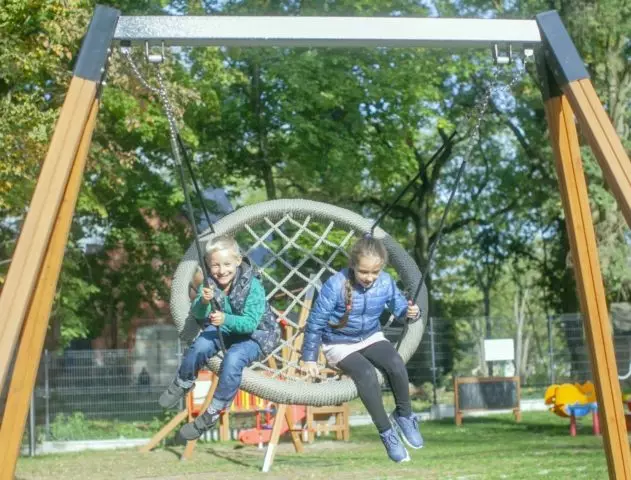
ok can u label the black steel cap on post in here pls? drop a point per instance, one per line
(96, 44)
(560, 54)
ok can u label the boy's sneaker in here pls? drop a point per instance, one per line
(407, 427)
(394, 447)
(205, 421)
(172, 395)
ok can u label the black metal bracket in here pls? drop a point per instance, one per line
(96, 46)
(559, 63)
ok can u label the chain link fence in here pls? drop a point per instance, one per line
(124, 385)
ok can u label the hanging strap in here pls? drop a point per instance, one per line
(474, 133)
(195, 184)
(390, 206)
(176, 144)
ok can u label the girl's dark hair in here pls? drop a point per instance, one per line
(367, 246)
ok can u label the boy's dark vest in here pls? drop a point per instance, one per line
(267, 334)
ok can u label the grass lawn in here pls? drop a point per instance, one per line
(483, 448)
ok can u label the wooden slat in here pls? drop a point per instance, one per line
(190, 445)
(28, 257)
(604, 141)
(36, 323)
(270, 452)
(282, 412)
(589, 279)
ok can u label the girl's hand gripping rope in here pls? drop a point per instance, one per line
(310, 369)
(413, 311)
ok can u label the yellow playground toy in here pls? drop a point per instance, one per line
(574, 400)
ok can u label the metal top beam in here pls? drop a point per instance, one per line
(327, 31)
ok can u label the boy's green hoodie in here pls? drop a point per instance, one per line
(244, 324)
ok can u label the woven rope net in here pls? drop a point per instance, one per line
(297, 245)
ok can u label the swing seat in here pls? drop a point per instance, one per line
(296, 245)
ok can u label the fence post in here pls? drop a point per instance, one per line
(550, 351)
(433, 349)
(47, 393)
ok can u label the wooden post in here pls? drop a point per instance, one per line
(29, 290)
(26, 264)
(282, 413)
(190, 445)
(603, 140)
(590, 284)
(29, 256)
(34, 331)
(564, 80)
(457, 412)
(274, 438)
(224, 427)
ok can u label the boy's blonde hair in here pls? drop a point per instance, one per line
(223, 242)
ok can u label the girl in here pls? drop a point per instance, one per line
(346, 320)
(247, 323)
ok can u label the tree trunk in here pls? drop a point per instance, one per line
(486, 293)
(523, 372)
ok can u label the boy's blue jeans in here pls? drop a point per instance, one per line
(241, 351)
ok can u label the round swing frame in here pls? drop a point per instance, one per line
(266, 383)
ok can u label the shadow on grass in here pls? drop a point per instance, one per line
(237, 458)
(253, 461)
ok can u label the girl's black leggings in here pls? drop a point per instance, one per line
(360, 367)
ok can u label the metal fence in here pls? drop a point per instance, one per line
(105, 384)
(124, 385)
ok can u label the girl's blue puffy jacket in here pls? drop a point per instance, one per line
(367, 306)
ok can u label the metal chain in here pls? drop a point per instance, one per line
(161, 91)
(482, 105)
(126, 51)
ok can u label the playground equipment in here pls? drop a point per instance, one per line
(568, 93)
(312, 421)
(573, 401)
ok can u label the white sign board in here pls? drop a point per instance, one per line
(499, 350)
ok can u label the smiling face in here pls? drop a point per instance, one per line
(223, 266)
(367, 270)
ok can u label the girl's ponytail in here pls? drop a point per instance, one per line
(348, 301)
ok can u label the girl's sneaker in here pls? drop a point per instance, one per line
(407, 427)
(394, 447)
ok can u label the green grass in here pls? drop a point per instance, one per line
(483, 448)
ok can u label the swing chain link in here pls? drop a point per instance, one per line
(126, 51)
(482, 105)
(161, 92)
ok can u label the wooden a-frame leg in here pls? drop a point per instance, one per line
(589, 279)
(164, 431)
(275, 436)
(27, 263)
(295, 436)
(603, 140)
(190, 445)
(38, 306)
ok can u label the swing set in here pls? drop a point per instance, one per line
(313, 235)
